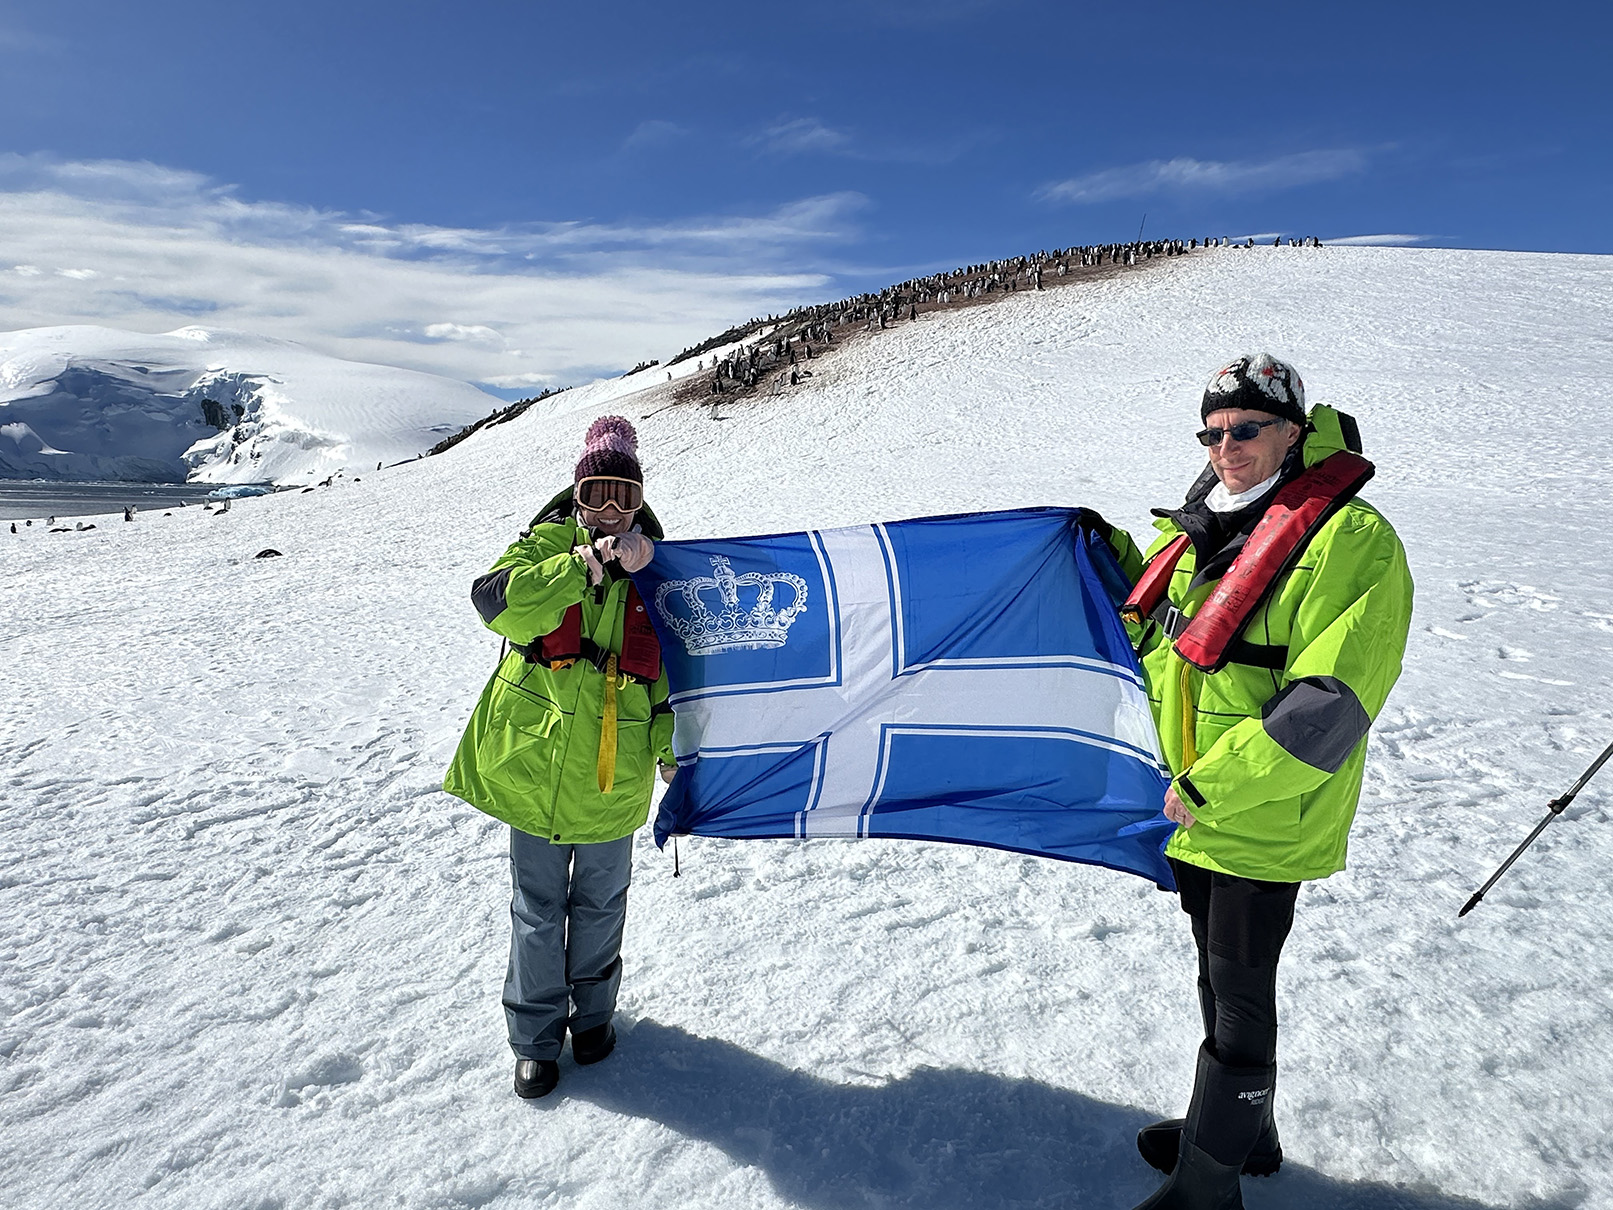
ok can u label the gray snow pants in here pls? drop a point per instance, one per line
(566, 916)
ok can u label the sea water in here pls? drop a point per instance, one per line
(41, 498)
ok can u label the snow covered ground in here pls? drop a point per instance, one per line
(251, 955)
(86, 403)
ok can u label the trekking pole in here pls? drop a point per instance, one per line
(1558, 806)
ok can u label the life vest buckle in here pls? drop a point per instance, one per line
(1173, 622)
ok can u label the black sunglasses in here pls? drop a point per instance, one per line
(1247, 430)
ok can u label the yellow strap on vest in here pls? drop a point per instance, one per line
(1190, 752)
(1190, 713)
(607, 730)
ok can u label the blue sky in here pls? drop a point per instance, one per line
(526, 194)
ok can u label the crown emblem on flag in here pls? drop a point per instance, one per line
(725, 612)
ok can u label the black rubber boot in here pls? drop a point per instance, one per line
(1224, 1120)
(535, 1077)
(592, 1045)
(1159, 1143)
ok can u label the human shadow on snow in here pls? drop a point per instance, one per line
(938, 1139)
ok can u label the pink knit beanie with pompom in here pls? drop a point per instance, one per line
(611, 448)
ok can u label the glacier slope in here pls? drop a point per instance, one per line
(88, 403)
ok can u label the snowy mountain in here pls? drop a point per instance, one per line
(209, 405)
(251, 955)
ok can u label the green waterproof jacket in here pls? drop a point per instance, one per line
(530, 755)
(1270, 760)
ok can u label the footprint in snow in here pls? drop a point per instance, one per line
(1482, 593)
(329, 1071)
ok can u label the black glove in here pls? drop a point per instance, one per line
(1091, 519)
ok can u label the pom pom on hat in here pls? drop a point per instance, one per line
(610, 448)
(1256, 382)
(612, 432)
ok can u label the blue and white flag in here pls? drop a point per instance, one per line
(959, 678)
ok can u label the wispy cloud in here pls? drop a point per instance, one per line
(477, 334)
(147, 247)
(810, 136)
(657, 132)
(1185, 176)
(1377, 241)
(799, 136)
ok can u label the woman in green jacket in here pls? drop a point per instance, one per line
(1263, 726)
(563, 747)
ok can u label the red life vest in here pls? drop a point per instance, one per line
(1209, 640)
(641, 650)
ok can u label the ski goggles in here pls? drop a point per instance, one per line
(603, 491)
(1247, 430)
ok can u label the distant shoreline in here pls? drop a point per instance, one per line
(37, 499)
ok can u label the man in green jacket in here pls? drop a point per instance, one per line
(1267, 655)
(563, 747)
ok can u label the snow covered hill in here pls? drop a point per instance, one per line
(251, 956)
(210, 405)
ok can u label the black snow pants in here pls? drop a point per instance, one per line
(1239, 926)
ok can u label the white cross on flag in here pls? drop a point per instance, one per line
(963, 679)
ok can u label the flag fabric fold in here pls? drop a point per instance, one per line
(961, 679)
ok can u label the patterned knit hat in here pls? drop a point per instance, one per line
(1256, 382)
(611, 448)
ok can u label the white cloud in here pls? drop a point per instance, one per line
(809, 136)
(1183, 175)
(152, 248)
(1376, 241)
(800, 135)
(469, 333)
(654, 133)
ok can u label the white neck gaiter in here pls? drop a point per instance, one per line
(1222, 501)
